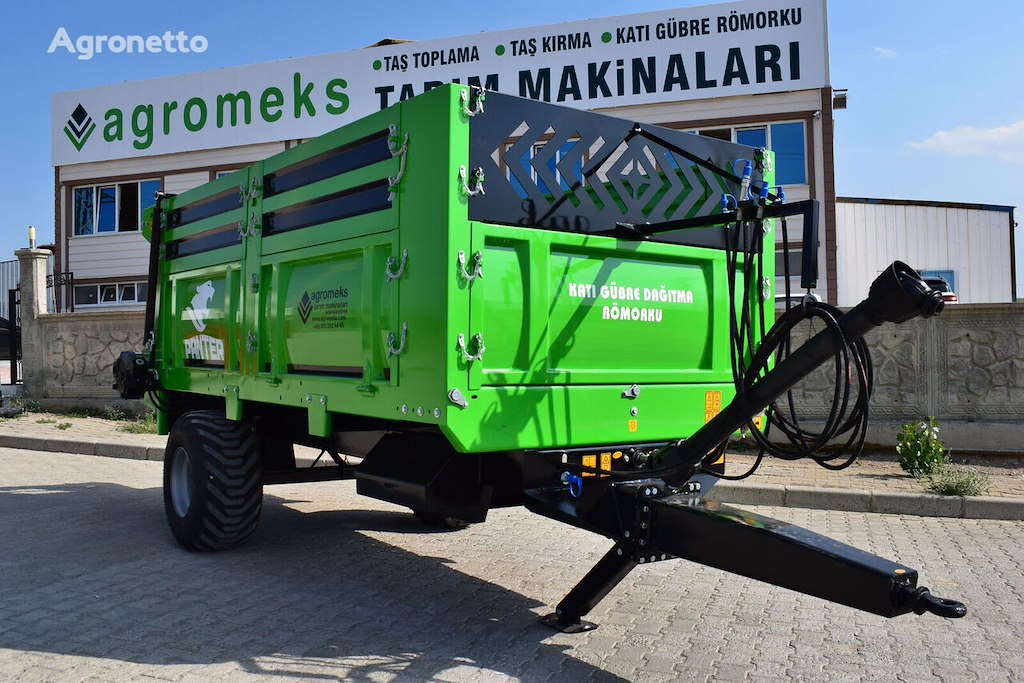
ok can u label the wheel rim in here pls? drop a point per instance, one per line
(181, 482)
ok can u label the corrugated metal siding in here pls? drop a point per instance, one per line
(972, 242)
(8, 281)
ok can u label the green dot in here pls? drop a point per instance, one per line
(377, 65)
(499, 50)
(606, 37)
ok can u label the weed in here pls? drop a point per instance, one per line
(64, 425)
(84, 412)
(45, 421)
(28, 405)
(921, 450)
(114, 413)
(145, 425)
(956, 480)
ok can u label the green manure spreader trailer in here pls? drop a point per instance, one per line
(471, 300)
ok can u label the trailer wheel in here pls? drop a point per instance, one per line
(213, 488)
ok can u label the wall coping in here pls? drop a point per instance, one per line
(91, 315)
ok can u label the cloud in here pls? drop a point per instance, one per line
(1005, 143)
(885, 53)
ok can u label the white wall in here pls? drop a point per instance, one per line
(108, 255)
(971, 241)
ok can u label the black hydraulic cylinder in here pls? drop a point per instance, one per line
(897, 295)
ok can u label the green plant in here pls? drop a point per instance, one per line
(114, 413)
(84, 412)
(144, 425)
(956, 480)
(45, 421)
(64, 425)
(920, 449)
(28, 405)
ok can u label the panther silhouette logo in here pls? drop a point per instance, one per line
(199, 309)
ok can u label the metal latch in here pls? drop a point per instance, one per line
(389, 272)
(480, 348)
(390, 342)
(472, 102)
(398, 148)
(471, 186)
(478, 259)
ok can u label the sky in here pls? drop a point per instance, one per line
(936, 105)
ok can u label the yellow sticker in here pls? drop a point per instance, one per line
(606, 462)
(712, 404)
(633, 425)
(589, 462)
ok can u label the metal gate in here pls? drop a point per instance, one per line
(10, 335)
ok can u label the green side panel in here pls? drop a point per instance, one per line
(330, 309)
(558, 308)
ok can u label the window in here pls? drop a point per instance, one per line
(112, 208)
(111, 294)
(754, 137)
(787, 141)
(717, 133)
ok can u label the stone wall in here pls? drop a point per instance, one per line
(80, 350)
(965, 368)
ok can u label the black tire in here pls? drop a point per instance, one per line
(213, 489)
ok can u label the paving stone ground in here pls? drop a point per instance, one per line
(339, 587)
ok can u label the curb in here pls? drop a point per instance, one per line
(846, 500)
(884, 502)
(82, 447)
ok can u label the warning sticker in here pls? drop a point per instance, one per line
(712, 404)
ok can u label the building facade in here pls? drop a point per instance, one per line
(735, 71)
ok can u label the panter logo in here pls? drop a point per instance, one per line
(79, 127)
(199, 309)
(305, 307)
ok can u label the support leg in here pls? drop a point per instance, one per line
(591, 589)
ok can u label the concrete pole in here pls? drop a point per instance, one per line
(32, 283)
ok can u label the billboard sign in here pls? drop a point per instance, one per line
(739, 48)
